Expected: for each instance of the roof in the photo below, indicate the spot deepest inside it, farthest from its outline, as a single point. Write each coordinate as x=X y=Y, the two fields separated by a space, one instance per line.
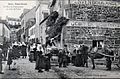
x=5 y=22
x=24 y=13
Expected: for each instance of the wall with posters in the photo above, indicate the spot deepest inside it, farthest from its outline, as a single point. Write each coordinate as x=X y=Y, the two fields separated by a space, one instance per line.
x=82 y=32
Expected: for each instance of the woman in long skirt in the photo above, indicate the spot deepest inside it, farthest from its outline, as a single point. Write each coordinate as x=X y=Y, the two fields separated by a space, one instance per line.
x=23 y=51
x=10 y=55
x=47 y=60
x=40 y=63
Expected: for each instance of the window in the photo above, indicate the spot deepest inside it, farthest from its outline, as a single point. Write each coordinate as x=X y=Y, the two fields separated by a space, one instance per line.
x=97 y=43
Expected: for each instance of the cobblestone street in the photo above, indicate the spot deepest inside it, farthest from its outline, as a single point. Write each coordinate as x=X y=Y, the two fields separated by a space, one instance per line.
x=25 y=69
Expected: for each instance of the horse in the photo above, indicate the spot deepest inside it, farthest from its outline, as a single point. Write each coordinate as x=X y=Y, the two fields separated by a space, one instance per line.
x=99 y=54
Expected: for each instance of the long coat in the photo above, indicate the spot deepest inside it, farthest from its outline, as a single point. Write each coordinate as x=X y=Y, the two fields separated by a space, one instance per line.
x=47 y=61
x=78 y=59
x=16 y=53
x=10 y=56
x=84 y=52
x=23 y=50
x=40 y=62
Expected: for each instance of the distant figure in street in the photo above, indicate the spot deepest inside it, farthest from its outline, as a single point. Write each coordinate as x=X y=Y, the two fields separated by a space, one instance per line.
x=5 y=50
x=35 y=48
x=23 y=50
x=32 y=52
x=10 y=56
x=1 y=57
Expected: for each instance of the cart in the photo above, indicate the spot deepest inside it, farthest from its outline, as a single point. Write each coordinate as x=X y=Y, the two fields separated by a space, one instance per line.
x=115 y=58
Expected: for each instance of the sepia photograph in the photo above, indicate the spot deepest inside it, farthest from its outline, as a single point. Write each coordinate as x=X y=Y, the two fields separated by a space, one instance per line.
x=59 y=39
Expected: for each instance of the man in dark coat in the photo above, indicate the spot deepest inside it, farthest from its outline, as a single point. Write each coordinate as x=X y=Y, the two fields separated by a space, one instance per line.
x=66 y=52
x=78 y=59
x=62 y=58
x=84 y=52
x=15 y=52
x=109 y=59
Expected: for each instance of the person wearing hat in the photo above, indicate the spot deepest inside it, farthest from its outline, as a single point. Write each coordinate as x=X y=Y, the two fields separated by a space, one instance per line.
x=1 y=57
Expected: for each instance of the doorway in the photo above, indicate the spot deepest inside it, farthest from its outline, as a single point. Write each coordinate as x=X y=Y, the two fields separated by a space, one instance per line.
x=97 y=43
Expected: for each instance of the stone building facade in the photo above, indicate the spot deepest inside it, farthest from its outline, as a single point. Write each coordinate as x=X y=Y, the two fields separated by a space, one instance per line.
x=92 y=23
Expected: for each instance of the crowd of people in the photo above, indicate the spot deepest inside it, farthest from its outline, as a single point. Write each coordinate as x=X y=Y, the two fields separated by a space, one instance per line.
x=11 y=53
x=42 y=55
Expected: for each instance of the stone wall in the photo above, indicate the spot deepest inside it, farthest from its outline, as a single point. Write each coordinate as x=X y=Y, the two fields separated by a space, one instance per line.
x=86 y=34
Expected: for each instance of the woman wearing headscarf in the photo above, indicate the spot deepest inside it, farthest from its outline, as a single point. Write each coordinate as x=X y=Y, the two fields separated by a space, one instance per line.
x=23 y=50
x=31 y=53
x=40 y=64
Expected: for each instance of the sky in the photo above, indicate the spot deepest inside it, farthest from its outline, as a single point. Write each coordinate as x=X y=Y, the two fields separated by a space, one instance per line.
x=14 y=8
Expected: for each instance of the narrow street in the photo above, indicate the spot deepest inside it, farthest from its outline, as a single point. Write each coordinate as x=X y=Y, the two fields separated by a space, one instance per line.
x=25 y=69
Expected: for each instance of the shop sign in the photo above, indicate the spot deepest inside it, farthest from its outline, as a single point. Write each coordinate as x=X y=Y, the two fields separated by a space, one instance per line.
x=77 y=23
x=94 y=2
x=72 y=41
x=101 y=25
